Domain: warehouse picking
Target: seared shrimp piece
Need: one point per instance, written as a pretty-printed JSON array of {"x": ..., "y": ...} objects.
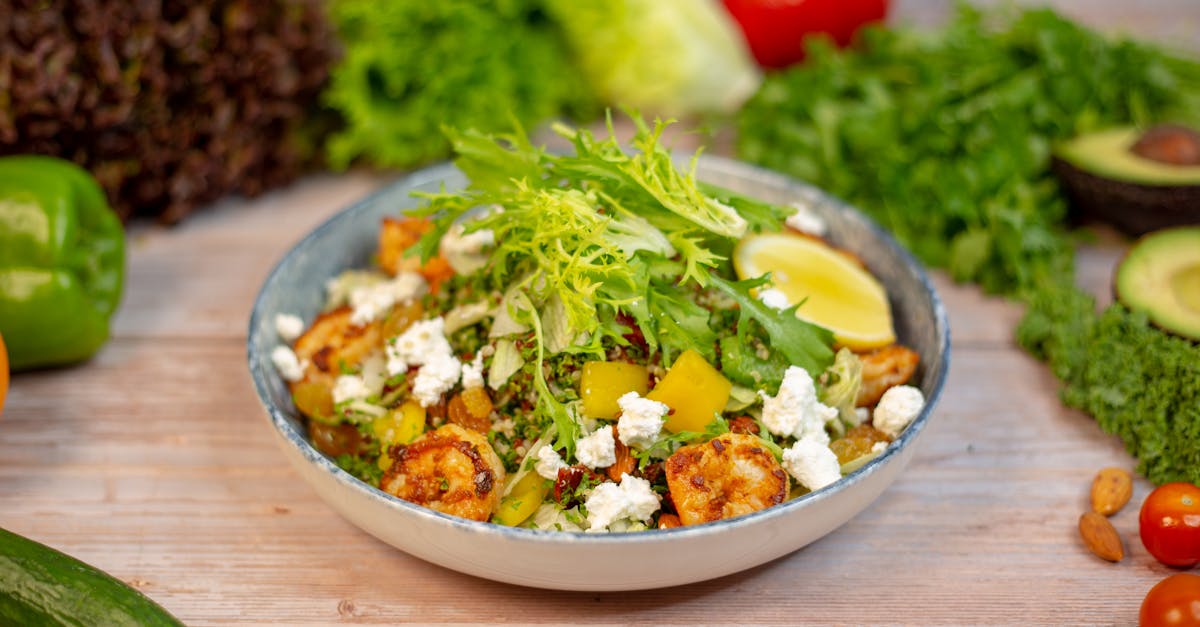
[
  {"x": 451, "y": 470},
  {"x": 728, "y": 476},
  {"x": 333, "y": 340},
  {"x": 884, "y": 368},
  {"x": 398, "y": 235}
]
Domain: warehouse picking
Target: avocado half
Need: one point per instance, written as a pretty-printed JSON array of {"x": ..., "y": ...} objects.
[
  {"x": 1132, "y": 178},
  {"x": 1160, "y": 275}
]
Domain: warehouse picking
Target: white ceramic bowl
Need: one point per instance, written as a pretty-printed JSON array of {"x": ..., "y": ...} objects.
[{"x": 579, "y": 561}]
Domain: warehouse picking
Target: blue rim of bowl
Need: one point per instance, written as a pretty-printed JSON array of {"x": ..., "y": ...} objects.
[{"x": 729, "y": 167}]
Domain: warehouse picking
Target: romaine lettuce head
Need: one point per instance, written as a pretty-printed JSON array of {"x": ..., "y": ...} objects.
[{"x": 667, "y": 57}]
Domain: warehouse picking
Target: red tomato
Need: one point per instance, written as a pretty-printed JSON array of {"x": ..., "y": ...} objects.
[
  {"x": 1172, "y": 602},
  {"x": 775, "y": 29},
  {"x": 1170, "y": 524}
]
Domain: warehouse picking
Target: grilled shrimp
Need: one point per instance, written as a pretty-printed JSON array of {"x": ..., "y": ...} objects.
[
  {"x": 396, "y": 237},
  {"x": 728, "y": 476},
  {"x": 884, "y": 368},
  {"x": 451, "y": 470},
  {"x": 333, "y": 340}
]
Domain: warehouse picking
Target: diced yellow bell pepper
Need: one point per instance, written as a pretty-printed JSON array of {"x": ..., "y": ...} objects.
[
  {"x": 401, "y": 425},
  {"x": 522, "y": 501},
  {"x": 603, "y": 382},
  {"x": 694, "y": 390}
]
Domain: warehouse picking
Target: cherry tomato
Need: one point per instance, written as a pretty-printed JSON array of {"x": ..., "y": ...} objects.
[
  {"x": 1173, "y": 602},
  {"x": 1170, "y": 524},
  {"x": 775, "y": 29}
]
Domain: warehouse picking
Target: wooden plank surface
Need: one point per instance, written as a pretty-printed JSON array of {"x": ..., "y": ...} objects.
[{"x": 154, "y": 462}]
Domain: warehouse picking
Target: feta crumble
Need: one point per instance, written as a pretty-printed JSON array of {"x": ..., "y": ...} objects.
[
  {"x": 632, "y": 499},
  {"x": 349, "y": 387},
  {"x": 897, "y": 407},
  {"x": 812, "y": 464},
  {"x": 806, "y": 220},
  {"x": 287, "y": 363},
  {"x": 288, "y": 327},
  {"x": 641, "y": 420},
  {"x": 773, "y": 298},
  {"x": 548, "y": 463},
  {"x": 420, "y": 342},
  {"x": 437, "y": 375},
  {"x": 371, "y": 302},
  {"x": 472, "y": 373},
  {"x": 795, "y": 410},
  {"x": 597, "y": 450}
]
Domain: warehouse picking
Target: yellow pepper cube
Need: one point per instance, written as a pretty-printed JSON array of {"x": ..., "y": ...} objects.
[
  {"x": 401, "y": 425},
  {"x": 694, "y": 390},
  {"x": 603, "y": 382},
  {"x": 522, "y": 501}
]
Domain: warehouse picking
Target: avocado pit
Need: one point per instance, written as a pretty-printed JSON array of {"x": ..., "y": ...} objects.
[{"x": 1169, "y": 143}]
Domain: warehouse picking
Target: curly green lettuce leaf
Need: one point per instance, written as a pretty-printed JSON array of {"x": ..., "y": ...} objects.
[{"x": 410, "y": 67}]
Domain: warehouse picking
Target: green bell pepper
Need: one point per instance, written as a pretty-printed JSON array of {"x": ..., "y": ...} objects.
[{"x": 62, "y": 261}]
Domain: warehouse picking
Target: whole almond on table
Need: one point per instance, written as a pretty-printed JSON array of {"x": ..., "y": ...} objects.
[
  {"x": 1101, "y": 537},
  {"x": 1111, "y": 490}
]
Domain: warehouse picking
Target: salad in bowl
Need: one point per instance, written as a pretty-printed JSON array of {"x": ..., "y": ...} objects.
[{"x": 594, "y": 342}]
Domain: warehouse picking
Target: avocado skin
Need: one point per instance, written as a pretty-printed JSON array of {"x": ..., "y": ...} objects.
[
  {"x": 1160, "y": 275},
  {"x": 1106, "y": 177},
  {"x": 1134, "y": 208}
]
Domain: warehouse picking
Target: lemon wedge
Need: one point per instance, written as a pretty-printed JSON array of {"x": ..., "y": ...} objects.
[{"x": 841, "y": 295}]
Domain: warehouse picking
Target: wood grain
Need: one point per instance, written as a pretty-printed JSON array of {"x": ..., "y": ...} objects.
[{"x": 155, "y": 462}]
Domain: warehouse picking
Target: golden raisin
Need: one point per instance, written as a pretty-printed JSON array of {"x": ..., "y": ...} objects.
[
  {"x": 669, "y": 521},
  {"x": 458, "y": 413},
  {"x": 858, "y": 442},
  {"x": 313, "y": 399},
  {"x": 479, "y": 404}
]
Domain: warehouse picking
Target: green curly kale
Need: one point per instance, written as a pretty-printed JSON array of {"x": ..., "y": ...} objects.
[
  {"x": 1140, "y": 383},
  {"x": 409, "y": 67}
]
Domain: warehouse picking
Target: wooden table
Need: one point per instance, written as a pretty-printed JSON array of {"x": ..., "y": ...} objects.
[{"x": 154, "y": 462}]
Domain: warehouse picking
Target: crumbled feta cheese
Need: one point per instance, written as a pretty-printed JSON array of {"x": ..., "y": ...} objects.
[
  {"x": 287, "y": 363},
  {"x": 806, "y": 220},
  {"x": 349, "y": 387},
  {"x": 879, "y": 447},
  {"x": 371, "y": 302},
  {"x": 812, "y": 464},
  {"x": 421, "y": 341},
  {"x": 897, "y": 407},
  {"x": 549, "y": 462},
  {"x": 774, "y": 298},
  {"x": 597, "y": 450},
  {"x": 641, "y": 420},
  {"x": 437, "y": 375},
  {"x": 861, "y": 414},
  {"x": 472, "y": 373},
  {"x": 795, "y": 410},
  {"x": 288, "y": 327},
  {"x": 632, "y": 499}
]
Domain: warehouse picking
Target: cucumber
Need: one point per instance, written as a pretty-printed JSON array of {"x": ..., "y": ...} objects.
[{"x": 42, "y": 586}]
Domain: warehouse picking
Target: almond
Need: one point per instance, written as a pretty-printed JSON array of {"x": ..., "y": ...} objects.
[
  {"x": 1101, "y": 537},
  {"x": 1111, "y": 490}
]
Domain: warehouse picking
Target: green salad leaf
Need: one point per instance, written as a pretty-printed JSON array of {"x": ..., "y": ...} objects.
[{"x": 409, "y": 67}]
